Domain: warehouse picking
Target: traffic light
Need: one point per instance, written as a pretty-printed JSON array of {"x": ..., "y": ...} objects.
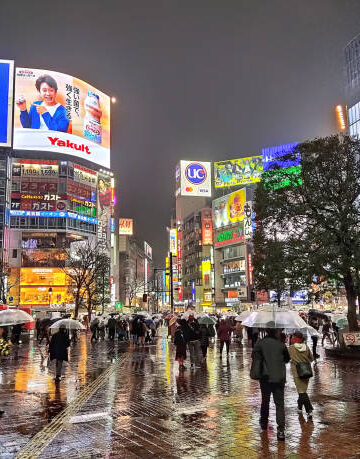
[
  {"x": 118, "y": 305},
  {"x": 145, "y": 298}
]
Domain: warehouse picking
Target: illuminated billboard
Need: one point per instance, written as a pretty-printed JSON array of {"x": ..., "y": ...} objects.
[
  {"x": 237, "y": 172},
  {"x": 6, "y": 100},
  {"x": 126, "y": 226},
  {"x": 148, "y": 250},
  {"x": 195, "y": 178},
  {"x": 229, "y": 209},
  {"x": 173, "y": 241},
  {"x": 59, "y": 113},
  {"x": 280, "y": 156},
  {"x": 206, "y": 227}
]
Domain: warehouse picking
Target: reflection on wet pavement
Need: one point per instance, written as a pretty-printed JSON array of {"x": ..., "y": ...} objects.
[{"x": 146, "y": 408}]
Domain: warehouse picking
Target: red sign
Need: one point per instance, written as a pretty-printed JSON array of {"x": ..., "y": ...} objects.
[
  {"x": 207, "y": 229},
  {"x": 179, "y": 261},
  {"x": 250, "y": 268},
  {"x": 37, "y": 161}
]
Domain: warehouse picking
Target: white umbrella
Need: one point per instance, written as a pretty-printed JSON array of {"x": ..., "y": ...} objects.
[
  {"x": 188, "y": 313},
  {"x": 242, "y": 316},
  {"x": 14, "y": 317},
  {"x": 69, "y": 324},
  {"x": 289, "y": 321}
]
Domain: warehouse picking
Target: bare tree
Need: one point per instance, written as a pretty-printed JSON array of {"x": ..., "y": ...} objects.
[{"x": 7, "y": 282}]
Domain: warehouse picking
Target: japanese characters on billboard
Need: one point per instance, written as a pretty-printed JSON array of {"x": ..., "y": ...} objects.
[
  {"x": 237, "y": 172},
  {"x": 6, "y": 100},
  {"x": 248, "y": 223},
  {"x": 59, "y": 113},
  {"x": 126, "y": 226},
  {"x": 207, "y": 230},
  {"x": 104, "y": 213},
  {"x": 229, "y": 209},
  {"x": 195, "y": 178},
  {"x": 173, "y": 241}
]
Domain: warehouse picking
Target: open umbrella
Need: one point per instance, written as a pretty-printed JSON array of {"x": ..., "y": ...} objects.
[
  {"x": 242, "y": 316},
  {"x": 342, "y": 322},
  {"x": 69, "y": 324},
  {"x": 14, "y": 317},
  {"x": 206, "y": 320}
]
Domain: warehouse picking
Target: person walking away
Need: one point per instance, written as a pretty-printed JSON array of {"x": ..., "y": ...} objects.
[
  {"x": 299, "y": 352},
  {"x": 141, "y": 332},
  {"x": 224, "y": 335},
  {"x": 272, "y": 355},
  {"x": 58, "y": 350},
  {"x": 204, "y": 340},
  {"x": 180, "y": 342},
  {"x": 239, "y": 331},
  {"x": 326, "y": 332},
  {"x": 94, "y": 328},
  {"x": 194, "y": 341},
  {"x": 15, "y": 334},
  {"x": 112, "y": 328},
  {"x": 101, "y": 329},
  {"x": 313, "y": 322}
]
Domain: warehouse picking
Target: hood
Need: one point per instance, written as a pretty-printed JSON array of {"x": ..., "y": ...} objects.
[{"x": 301, "y": 347}]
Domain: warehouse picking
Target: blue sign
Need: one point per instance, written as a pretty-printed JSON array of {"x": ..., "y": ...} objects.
[
  {"x": 195, "y": 173},
  {"x": 53, "y": 214},
  {"x": 6, "y": 92},
  {"x": 280, "y": 156},
  {"x": 112, "y": 225},
  {"x": 193, "y": 291}
]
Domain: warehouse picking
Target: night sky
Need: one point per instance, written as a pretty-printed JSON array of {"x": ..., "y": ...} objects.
[{"x": 199, "y": 80}]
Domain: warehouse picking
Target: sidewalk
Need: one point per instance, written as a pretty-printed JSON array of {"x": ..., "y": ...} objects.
[{"x": 143, "y": 407}]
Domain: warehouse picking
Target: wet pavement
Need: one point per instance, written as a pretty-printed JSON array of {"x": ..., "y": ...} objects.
[{"x": 120, "y": 401}]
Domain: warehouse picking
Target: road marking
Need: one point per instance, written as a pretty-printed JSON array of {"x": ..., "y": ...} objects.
[{"x": 39, "y": 442}]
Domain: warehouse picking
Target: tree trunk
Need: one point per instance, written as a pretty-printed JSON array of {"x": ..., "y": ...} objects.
[
  {"x": 89, "y": 306},
  {"x": 351, "y": 300},
  {"x": 77, "y": 305}
]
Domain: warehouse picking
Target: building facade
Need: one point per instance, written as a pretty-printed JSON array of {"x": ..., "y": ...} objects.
[{"x": 352, "y": 84}]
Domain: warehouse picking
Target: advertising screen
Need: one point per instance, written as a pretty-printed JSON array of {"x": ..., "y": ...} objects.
[
  {"x": 59, "y": 113},
  {"x": 6, "y": 99},
  {"x": 195, "y": 178},
  {"x": 206, "y": 230},
  {"x": 229, "y": 209},
  {"x": 237, "y": 172},
  {"x": 173, "y": 241},
  {"x": 280, "y": 156},
  {"x": 126, "y": 226}
]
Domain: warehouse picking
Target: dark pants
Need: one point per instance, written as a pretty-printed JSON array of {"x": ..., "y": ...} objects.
[
  {"x": 112, "y": 333},
  {"x": 277, "y": 389},
  {"x": 94, "y": 335},
  {"x": 204, "y": 350},
  {"x": 222, "y": 346},
  {"x": 314, "y": 342},
  {"x": 304, "y": 400},
  {"x": 58, "y": 368}
]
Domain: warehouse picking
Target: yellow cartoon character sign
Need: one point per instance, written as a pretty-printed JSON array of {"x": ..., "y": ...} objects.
[{"x": 235, "y": 206}]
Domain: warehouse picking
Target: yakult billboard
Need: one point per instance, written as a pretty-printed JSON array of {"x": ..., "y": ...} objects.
[{"x": 57, "y": 112}]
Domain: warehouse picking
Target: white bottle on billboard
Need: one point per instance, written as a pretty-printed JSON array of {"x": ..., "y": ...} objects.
[{"x": 92, "y": 124}]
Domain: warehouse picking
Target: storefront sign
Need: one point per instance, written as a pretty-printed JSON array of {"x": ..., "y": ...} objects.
[
  {"x": 250, "y": 268},
  {"x": 352, "y": 339},
  {"x": 229, "y": 237}
]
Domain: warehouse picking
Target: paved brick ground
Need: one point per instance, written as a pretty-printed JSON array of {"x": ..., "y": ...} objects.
[{"x": 147, "y": 409}]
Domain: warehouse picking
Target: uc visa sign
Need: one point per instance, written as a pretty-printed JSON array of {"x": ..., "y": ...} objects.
[{"x": 195, "y": 178}]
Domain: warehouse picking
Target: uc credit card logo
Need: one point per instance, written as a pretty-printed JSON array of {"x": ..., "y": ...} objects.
[{"x": 195, "y": 173}]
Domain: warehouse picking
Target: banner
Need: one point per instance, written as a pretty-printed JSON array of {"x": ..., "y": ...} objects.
[
  {"x": 229, "y": 209},
  {"x": 237, "y": 172},
  {"x": 59, "y": 113}
]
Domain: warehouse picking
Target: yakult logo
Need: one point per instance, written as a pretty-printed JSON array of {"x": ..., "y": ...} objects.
[
  {"x": 195, "y": 173},
  {"x": 68, "y": 144}
]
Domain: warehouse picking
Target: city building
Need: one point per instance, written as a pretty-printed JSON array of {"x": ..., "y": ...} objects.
[
  {"x": 57, "y": 190},
  {"x": 352, "y": 84}
]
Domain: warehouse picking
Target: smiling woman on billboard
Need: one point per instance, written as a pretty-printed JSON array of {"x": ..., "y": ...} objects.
[{"x": 46, "y": 113}]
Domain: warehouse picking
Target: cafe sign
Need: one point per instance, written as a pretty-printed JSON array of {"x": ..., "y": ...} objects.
[{"x": 229, "y": 237}]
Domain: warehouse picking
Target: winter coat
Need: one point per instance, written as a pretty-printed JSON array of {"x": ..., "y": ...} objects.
[
  {"x": 204, "y": 336},
  {"x": 194, "y": 330},
  {"x": 224, "y": 332},
  {"x": 58, "y": 346},
  {"x": 299, "y": 352},
  {"x": 111, "y": 323},
  {"x": 274, "y": 354}
]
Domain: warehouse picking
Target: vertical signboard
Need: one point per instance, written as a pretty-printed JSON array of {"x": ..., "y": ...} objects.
[
  {"x": 6, "y": 101},
  {"x": 148, "y": 250},
  {"x": 104, "y": 202},
  {"x": 206, "y": 227},
  {"x": 173, "y": 241},
  {"x": 248, "y": 226}
]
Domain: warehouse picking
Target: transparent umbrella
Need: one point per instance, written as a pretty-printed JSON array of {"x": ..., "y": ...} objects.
[
  {"x": 69, "y": 324},
  {"x": 14, "y": 317},
  {"x": 242, "y": 316}
]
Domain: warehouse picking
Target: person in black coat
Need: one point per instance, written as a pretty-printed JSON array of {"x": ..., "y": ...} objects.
[{"x": 58, "y": 349}]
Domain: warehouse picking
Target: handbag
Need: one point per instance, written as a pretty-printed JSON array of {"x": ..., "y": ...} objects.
[
  {"x": 304, "y": 370},
  {"x": 258, "y": 369}
]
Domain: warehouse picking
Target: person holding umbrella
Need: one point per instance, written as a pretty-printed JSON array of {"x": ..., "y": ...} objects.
[{"x": 58, "y": 349}]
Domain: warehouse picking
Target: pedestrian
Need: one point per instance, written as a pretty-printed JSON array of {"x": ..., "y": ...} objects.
[
  {"x": 5, "y": 344},
  {"x": 101, "y": 329},
  {"x": 15, "y": 334},
  {"x": 58, "y": 349},
  {"x": 44, "y": 332},
  {"x": 204, "y": 340},
  {"x": 299, "y": 352},
  {"x": 270, "y": 356},
  {"x": 239, "y": 331},
  {"x": 326, "y": 332},
  {"x": 94, "y": 328},
  {"x": 313, "y": 322},
  {"x": 224, "y": 334},
  {"x": 194, "y": 341},
  {"x": 180, "y": 341},
  {"x": 254, "y": 336},
  {"x": 111, "y": 328},
  {"x": 132, "y": 329}
]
